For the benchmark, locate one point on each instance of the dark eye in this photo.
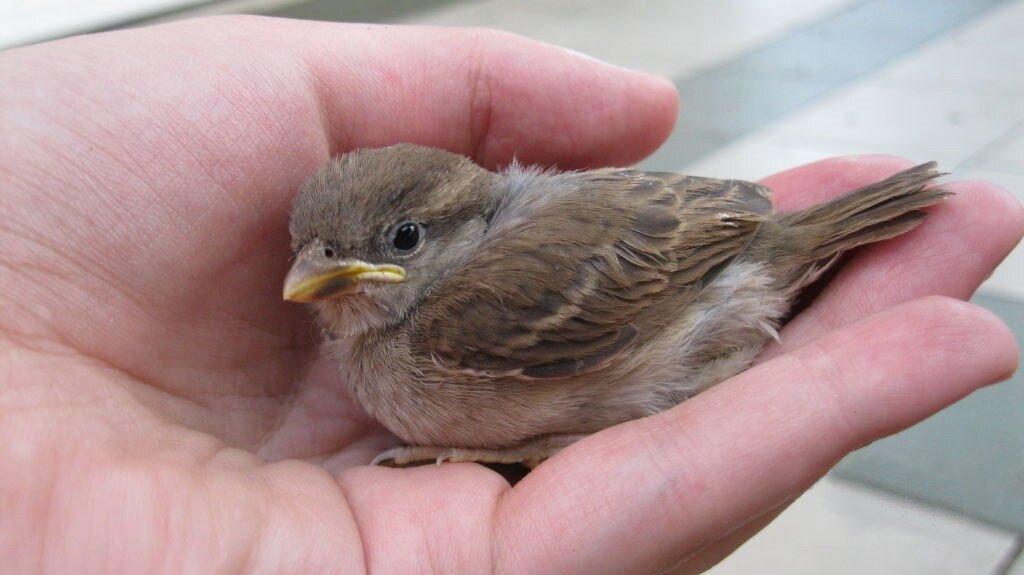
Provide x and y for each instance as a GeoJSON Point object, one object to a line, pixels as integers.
{"type": "Point", "coordinates": [407, 236]}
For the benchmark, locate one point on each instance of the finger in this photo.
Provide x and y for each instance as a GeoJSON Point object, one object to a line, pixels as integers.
{"type": "Point", "coordinates": [485, 93]}
{"type": "Point", "coordinates": [488, 94]}
{"type": "Point", "coordinates": [950, 254]}
{"type": "Point", "coordinates": [634, 497]}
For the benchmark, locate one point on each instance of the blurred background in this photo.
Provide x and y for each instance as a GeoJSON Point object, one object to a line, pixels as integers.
{"type": "Point", "coordinates": [767, 85]}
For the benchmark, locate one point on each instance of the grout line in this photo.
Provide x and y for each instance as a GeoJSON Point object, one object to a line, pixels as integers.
{"type": "Point", "coordinates": [979, 155]}
{"type": "Point", "coordinates": [1011, 558]}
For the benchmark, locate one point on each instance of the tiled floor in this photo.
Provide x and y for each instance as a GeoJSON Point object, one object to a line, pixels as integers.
{"type": "Point", "coordinates": [927, 79]}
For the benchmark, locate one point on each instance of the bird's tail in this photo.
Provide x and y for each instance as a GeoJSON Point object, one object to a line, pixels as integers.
{"type": "Point", "coordinates": [873, 213]}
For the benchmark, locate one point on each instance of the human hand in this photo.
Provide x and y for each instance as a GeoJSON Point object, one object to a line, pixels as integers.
{"type": "Point", "coordinates": [162, 409]}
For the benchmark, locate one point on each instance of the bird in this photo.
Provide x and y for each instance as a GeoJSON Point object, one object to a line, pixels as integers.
{"type": "Point", "coordinates": [500, 316]}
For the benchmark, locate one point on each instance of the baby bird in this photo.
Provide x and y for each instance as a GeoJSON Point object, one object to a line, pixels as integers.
{"type": "Point", "coordinates": [498, 317]}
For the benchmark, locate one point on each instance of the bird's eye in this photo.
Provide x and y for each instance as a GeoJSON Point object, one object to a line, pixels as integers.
{"type": "Point", "coordinates": [407, 236]}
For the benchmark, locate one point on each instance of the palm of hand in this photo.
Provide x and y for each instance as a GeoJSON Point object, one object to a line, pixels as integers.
{"type": "Point", "coordinates": [168, 399]}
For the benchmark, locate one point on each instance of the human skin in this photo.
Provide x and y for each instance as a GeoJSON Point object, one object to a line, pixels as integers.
{"type": "Point", "coordinates": [162, 410]}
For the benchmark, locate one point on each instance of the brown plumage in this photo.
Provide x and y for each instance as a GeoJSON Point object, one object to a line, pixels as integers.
{"type": "Point", "coordinates": [499, 317]}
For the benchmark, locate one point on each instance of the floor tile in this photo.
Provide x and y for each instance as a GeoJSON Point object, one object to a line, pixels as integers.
{"type": "Point", "coordinates": [1002, 24]}
{"type": "Point", "coordinates": [944, 126]}
{"type": "Point", "coordinates": [820, 57]}
{"type": "Point", "coordinates": [842, 528]}
{"type": "Point", "coordinates": [964, 67]}
{"type": "Point", "coordinates": [750, 159]}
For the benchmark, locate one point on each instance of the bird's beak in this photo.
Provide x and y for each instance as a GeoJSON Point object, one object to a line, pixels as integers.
{"type": "Point", "coordinates": [316, 277]}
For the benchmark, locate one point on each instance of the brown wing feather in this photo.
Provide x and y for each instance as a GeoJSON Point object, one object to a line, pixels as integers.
{"type": "Point", "coordinates": [559, 292]}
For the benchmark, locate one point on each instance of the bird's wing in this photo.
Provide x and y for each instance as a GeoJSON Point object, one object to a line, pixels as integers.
{"type": "Point", "coordinates": [556, 293]}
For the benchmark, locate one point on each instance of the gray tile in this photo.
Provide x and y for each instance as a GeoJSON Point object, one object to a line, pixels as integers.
{"type": "Point", "coordinates": [718, 109]}
{"type": "Point", "coordinates": [730, 104]}
{"type": "Point", "coordinates": [910, 18]}
{"type": "Point", "coordinates": [968, 458]}
{"type": "Point", "coordinates": [750, 159]}
{"type": "Point", "coordinates": [842, 528]}
{"type": "Point", "coordinates": [817, 57]}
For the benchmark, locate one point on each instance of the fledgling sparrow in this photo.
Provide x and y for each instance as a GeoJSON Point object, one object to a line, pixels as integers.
{"type": "Point", "coordinates": [498, 317]}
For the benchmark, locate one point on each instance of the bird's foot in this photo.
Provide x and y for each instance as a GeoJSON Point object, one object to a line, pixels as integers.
{"type": "Point", "coordinates": [530, 453]}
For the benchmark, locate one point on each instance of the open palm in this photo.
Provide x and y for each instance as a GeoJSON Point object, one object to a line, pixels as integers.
{"type": "Point", "coordinates": [162, 409]}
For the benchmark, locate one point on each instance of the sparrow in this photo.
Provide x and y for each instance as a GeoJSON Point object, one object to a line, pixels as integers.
{"type": "Point", "coordinates": [498, 317]}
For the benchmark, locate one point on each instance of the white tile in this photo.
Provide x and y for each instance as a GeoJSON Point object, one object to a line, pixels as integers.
{"type": "Point", "coordinates": [664, 37]}
{"type": "Point", "coordinates": [1001, 24]}
{"type": "Point", "coordinates": [1004, 155]}
{"type": "Point", "coordinates": [991, 69]}
{"type": "Point", "coordinates": [751, 159]}
{"type": "Point", "coordinates": [945, 126]}
{"type": "Point", "coordinates": [841, 528]}
{"type": "Point", "coordinates": [1018, 567]}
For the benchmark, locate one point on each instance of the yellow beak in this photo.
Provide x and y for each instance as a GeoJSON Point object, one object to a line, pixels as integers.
{"type": "Point", "coordinates": [316, 277]}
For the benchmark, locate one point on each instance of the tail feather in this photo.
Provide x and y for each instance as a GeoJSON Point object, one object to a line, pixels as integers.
{"type": "Point", "coordinates": [873, 213]}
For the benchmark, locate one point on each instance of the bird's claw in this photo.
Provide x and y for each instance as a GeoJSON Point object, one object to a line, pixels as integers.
{"type": "Point", "coordinates": [530, 454]}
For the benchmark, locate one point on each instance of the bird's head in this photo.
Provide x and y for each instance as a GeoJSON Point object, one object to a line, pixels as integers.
{"type": "Point", "coordinates": [375, 228]}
